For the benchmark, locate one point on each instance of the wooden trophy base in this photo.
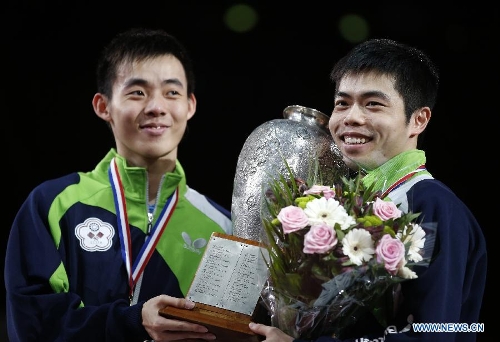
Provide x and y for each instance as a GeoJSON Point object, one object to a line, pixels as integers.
{"type": "Point", "coordinates": [228, 326]}
{"type": "Point", "coordinates": [226, 289]}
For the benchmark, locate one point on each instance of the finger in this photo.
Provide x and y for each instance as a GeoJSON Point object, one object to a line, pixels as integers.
{"type": "Point", "coordinates": [258, 328]}
{"type": "Point", "coordinates": [181, 303]}
{"type": "Point", "coordinates": [184, 326]}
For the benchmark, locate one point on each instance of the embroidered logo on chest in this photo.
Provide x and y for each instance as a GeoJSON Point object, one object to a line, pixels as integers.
{"type": "Point", "coordinates": [193, 246]}
{"type": "Point", "coordinates": [95, 235]}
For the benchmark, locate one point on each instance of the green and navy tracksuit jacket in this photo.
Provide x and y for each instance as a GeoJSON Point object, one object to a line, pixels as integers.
{"type": "Point", "coordinates": [65, 274]}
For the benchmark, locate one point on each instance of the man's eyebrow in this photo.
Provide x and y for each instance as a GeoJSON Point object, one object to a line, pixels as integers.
{"type": "Point", "coordinates": [135, 81]}
{"type": "Point", "coordinates": [376, 93]}
{"type": "Point", "coordinates": [370, 93]}
{"type": "Point", "coordinates": [174, 81]}
{"type": "Point", "coordinates": [342, 94]}
{"type": "Point", "coordinates": [142, 82]}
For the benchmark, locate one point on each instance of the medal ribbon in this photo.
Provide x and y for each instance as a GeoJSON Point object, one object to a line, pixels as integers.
{"type": "Point", "coordinates": [135, 271]}
{"type": "Point", "coordinates": [403, 179]}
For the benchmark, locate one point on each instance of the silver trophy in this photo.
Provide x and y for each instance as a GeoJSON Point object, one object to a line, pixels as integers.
{"type": "Point", "coordinates": [300, 138]}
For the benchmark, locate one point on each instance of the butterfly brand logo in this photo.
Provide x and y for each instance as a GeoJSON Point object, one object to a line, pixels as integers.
{"type": "Point", "coordinates": [193, 246]}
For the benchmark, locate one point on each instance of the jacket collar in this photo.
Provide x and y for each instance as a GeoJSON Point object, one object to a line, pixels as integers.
{"type": "Point", "coordinates": [394, 169]}
{"type": "Point", "coordinates": [135, 179]}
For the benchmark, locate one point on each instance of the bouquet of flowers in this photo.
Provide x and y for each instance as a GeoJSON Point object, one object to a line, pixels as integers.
{"type": "Point", "coordinates": [334, 253]}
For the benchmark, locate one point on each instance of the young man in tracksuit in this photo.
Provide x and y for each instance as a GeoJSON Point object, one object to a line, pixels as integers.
{"type": "Point", "coordinates": [93, 256]}
{"type": "Point", "coordinates": [384, 94]}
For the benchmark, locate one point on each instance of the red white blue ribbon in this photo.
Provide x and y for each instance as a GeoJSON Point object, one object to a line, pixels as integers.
{"type": "Point", "coordinates": [135, 271]}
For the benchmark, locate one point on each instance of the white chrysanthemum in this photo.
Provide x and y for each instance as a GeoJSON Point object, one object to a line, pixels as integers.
{"type": "Point", "coordinates": [329, 211]}
{"type": "Point", "coordinates": [406, 273]}
{"type": "Point", "coordinates": [358, 246]}
{"type": "Point", "coordinates": [415, 235]}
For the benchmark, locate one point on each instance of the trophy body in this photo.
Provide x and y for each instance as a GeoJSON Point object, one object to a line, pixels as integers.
{"type": "Point", "coordinates": [299, 139]}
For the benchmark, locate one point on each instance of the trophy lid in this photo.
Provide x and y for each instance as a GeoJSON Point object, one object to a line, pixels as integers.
{"type": "Point", "coordinates": [307, 115]}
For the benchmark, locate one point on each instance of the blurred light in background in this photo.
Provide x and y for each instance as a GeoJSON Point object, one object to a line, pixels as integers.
{"type": "Point", "coordinates": [240, 18]}
{"type": "Point", "coordinates": [353, 28]}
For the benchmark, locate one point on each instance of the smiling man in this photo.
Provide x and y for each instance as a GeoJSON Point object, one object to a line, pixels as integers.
{"type": "Point", "coordinates": [93, 256]}
{"type": "Point", "coordinates": [385, 92]}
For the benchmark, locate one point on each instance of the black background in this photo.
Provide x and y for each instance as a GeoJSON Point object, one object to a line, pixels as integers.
{"type": "Point", "coordinates": [49, 52]}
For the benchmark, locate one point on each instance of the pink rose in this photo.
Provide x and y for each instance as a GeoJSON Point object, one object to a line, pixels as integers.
{"type": "Point", "coordinates": [386, 210]}
{"type": "Point", "coordinates": [292, 218]}
{"type": "Point", "coordinates": [391, 252]}
{"type": "Point", "coordinates": [318, 189]}
{"type": "Point", "coordinates": [321, 238]}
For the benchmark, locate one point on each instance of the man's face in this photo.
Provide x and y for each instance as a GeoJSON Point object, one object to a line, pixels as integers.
{"type": "Point", "coordinates": [149, 110]}
{"type": "Point", "coordinates": [368, 121]}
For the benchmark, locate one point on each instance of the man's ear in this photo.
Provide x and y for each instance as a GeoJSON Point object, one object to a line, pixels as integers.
{"type": "Point", "coordinates": [419, 120]}
{"type": "Point", "coordinates": [191, 106]}
{"type": "Point", "coordinates": [100, 104]}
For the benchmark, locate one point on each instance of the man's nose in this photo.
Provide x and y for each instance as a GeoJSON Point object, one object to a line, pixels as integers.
{"type": "Point", "coordinates": [354, 116]}
{"type": "Point", "coordinates": [156, 105]}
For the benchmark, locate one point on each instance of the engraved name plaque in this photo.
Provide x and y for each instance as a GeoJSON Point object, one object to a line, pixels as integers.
{"type": "Point", "coordinates": [226, 288]}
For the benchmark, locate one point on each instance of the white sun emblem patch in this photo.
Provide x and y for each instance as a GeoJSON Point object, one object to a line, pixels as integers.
{"type": "Point", "coordinates": [95, 235]}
